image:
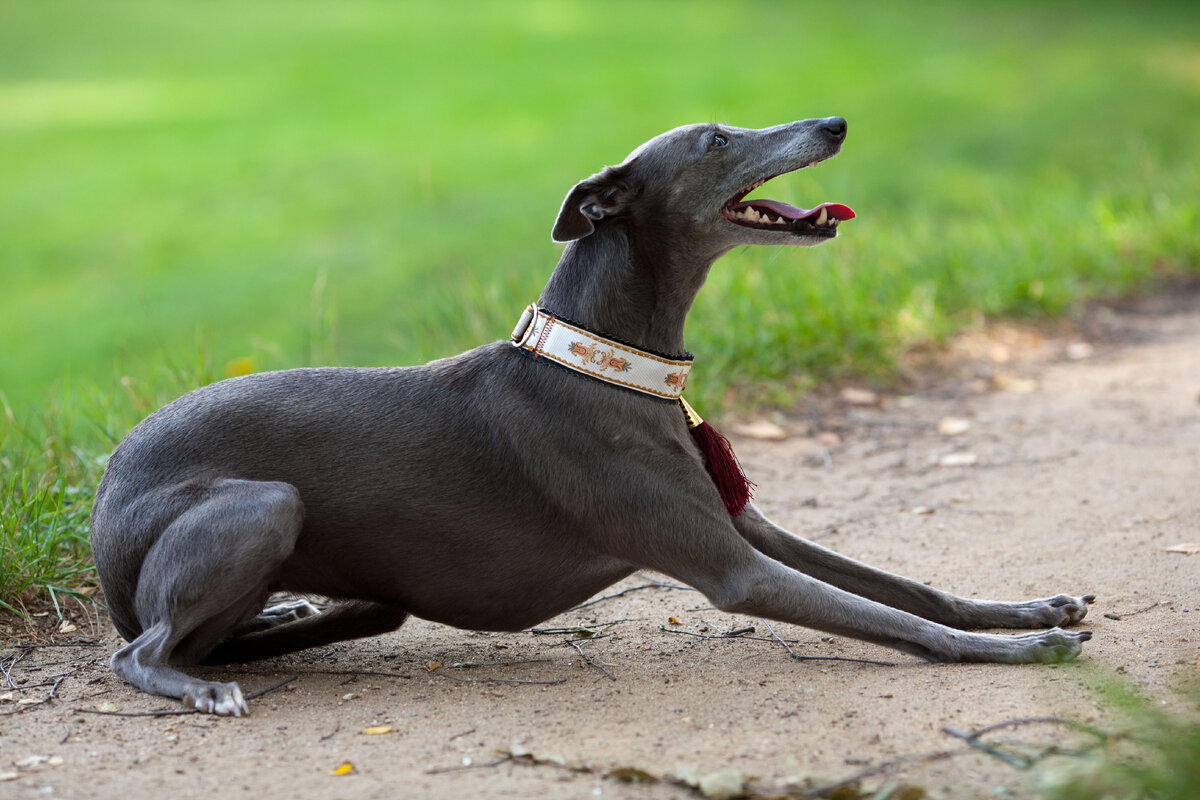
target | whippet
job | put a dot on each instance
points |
(497, 488)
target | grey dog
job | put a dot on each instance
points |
(491, 490)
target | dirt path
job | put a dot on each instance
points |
(1085, 470)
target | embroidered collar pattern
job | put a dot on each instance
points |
(547, 336)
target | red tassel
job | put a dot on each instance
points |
(723, 468)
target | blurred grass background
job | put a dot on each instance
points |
(358, 182)
(193, 189)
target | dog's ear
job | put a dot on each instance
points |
(605, 194)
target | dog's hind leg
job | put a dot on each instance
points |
(903, 593)
(208, 572)
(350, 620)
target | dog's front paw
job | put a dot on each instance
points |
(223, 699)
(1063, 611)
(1060, 611)
(1053, 646)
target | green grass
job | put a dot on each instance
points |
(1155, 757)
(284, 182)
(45, 500)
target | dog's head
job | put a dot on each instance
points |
(694, 178)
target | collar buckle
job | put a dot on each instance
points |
(525, 326)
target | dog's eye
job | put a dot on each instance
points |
(717, 140)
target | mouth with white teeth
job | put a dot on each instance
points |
(774, 215)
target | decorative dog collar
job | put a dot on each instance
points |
(547, 336)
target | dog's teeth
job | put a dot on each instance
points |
(822, 219)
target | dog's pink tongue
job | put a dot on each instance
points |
(834, 210)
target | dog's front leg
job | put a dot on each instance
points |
(739, 578)
(904, 593)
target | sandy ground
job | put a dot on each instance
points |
(1086, 469)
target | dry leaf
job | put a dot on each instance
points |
(1011, 383)
(7, 697)
(432, 665)
(673, 621)
(923, 510)
(106, 707)
(9, 776)
(66, 627)
(953, 426)
(760, 429)
(344, 768)
(1161, 517)
(1187, 548)
(632, 775)
(28, 701)
(377, 730)
(958, 460)
(860, 397)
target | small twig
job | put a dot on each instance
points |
(888, 766)
(11, 664)
(50, 681)
(731, 635)
(585, 629)
(331, 672)
(588, 661)
(272, 687)
(66, 735)
(624, 592)
(1020, 762)
(41, 702)
(589, 629)
(171, 712)
(1150, 607)
(786, 646)
(332, 733)
(496, 680)
(460, 767)
(1023, 762)
(460, 735)
(798, 657)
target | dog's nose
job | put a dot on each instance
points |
(834, 128)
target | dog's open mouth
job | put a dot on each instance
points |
(775, 215)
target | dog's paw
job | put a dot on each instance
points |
(287, 612)
(1065, 611)
(1061, 611)
(1056, 645)
(223, 699)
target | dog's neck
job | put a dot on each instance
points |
(636, 288)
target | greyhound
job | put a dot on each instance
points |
(494, 490)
